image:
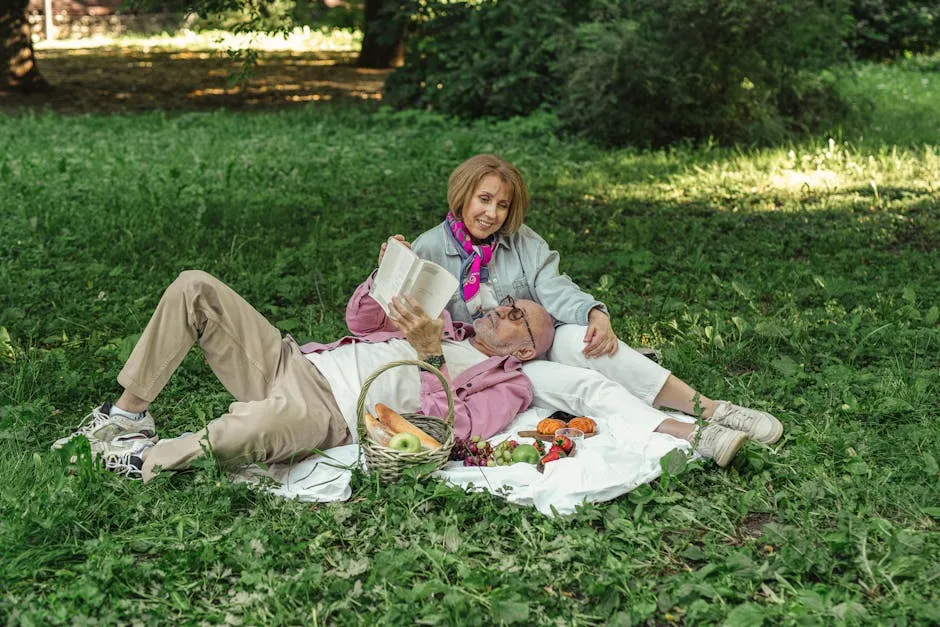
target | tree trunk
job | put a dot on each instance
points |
(383, 41)
(17, 61)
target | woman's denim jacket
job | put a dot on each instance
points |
(522, 266)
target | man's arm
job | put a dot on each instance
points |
(364, 315)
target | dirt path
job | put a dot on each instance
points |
(123, 80)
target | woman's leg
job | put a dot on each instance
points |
(679, 395)
(586, 392)
(641, 376)
(658, 387)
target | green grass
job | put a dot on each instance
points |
(803, 279)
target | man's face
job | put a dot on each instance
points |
(504, 332)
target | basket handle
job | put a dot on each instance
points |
(361, 404)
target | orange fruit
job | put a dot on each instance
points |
(549, 426)
(584, 424)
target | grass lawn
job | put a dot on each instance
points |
(802, 279)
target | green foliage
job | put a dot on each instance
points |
(890, 28)
(487, 58)
(799, 279)
(658, 71)
(640, 72)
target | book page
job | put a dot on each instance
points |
(394, 272)
(433, 287)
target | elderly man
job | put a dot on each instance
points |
(292, 399)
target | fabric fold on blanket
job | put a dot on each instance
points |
(604, 467)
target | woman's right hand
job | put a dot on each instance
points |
(400, 238)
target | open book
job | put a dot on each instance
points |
(403, 272)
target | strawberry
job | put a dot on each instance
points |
(552, 455)
(565, 443)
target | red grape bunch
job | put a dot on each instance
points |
(476, 451)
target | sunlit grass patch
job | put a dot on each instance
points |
(304, 39)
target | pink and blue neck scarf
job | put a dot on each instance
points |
(474, 257)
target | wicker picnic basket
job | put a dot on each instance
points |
(391, 463)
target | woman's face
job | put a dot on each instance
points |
(488, 207)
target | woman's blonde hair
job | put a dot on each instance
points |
(466, 177)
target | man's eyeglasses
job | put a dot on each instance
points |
(515, 314)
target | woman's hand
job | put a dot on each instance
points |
(600, 338)
(400, 238)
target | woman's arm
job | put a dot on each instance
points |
(555, 291)
(564, 299)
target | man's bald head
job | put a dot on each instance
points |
(521, 328)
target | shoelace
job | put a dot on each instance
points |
(98, 419)
(708, 438)
(734, 418)
(124, 464)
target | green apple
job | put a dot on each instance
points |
(405, 442)
(525, 453)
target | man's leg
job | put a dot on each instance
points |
(299, 415)
(240, 345)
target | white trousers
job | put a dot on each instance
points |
(624, 385)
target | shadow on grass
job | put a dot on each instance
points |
(127, 80)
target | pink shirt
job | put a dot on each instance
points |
(487, 396)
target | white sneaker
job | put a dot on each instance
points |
(758, 425)
(719, 443)
(103, 427)
(124, 454)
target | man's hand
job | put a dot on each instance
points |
(600, 338)
(423, 333)
(399, 237)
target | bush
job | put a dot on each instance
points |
(489, 58)
(638, 71)
(659, 71)
(889, 28)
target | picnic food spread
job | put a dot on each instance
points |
(392, 430)
(548, 427)
(475, 451)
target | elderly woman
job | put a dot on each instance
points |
(484, 242)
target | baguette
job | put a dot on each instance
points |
(394, 421)
(378, 433)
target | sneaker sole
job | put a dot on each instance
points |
(774, 435)
(729, 453)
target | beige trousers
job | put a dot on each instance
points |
(284, 407)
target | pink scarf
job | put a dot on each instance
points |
(475, 257)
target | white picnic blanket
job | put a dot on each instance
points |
(604, 467)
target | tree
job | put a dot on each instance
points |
(383, 42)
(18, 68)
